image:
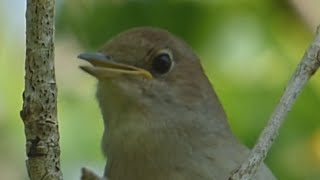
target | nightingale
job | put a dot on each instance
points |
(162, 117)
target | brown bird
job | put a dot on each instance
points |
(162, 118)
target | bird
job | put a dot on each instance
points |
(162, 117)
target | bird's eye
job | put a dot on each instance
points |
(162, 63)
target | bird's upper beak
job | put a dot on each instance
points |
(104, 67)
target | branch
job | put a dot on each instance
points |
(39, 113)
(307, 67)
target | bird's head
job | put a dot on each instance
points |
(151, 69)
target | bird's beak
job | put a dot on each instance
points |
(104, 67)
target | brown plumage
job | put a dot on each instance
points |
(163, 120)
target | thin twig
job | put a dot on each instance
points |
(307, 67)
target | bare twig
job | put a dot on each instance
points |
(39, 112)
(307, 67)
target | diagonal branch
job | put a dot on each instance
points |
(307, 67)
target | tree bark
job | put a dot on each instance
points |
(39, 113)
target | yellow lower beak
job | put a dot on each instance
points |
(104, 67)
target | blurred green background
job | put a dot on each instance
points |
(249, 50)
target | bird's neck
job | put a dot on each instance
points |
(162, 136)
(200, 113)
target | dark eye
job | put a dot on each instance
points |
(162, 63)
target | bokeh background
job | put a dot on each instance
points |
(249, 50)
